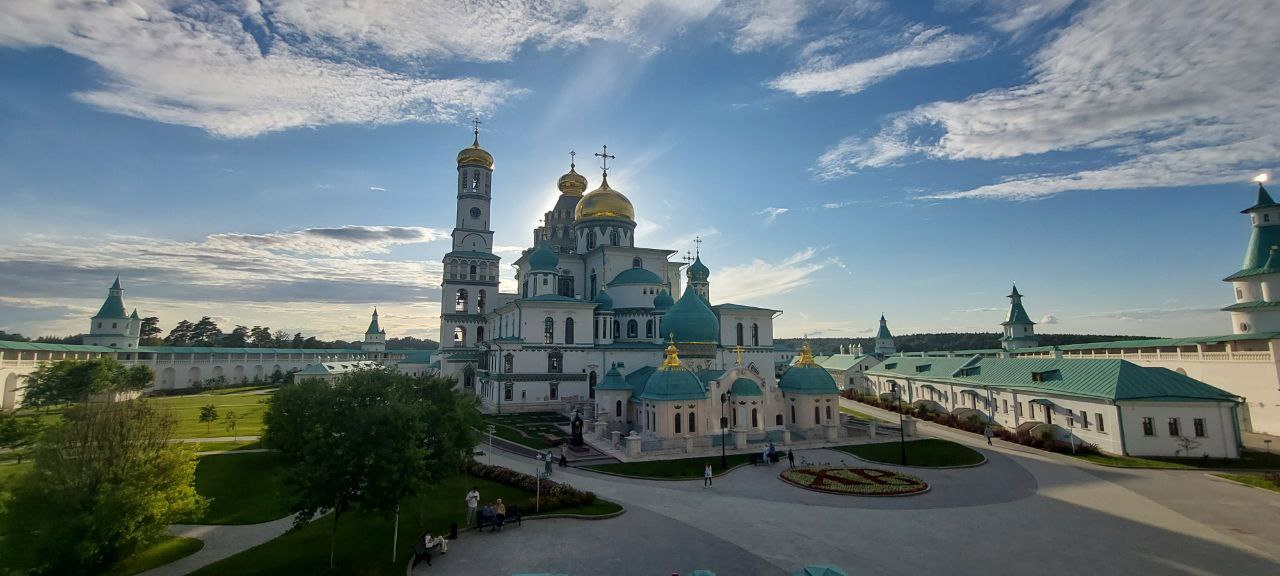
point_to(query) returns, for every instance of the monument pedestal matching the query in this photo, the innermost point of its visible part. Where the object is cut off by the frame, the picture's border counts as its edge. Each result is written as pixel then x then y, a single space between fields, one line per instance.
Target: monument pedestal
pixel 633 445
pixel 739 439
pixel 908 426
pixel 871 430
pixel 786 437
pixel 833 433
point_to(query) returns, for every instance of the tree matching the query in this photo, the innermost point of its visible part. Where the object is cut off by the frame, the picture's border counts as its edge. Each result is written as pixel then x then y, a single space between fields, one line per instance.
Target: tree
pixel 18 433
pixel 151 331
pixel 15 337
pixel 206 333
pixel 106 481
pixel 230 421
pixel 367 440
pixel 261 337
pixel 78 380
pixel 208 414
pixel 1185 446
pixel 238 338
pixel 297 341
pixel 180 335
pixel 280 339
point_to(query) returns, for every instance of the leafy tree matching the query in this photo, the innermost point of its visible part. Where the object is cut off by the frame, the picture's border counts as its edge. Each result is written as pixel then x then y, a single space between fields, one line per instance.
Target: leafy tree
pixel 280 339
pixel 312 342
pixel 297 341
pixel 229 422
pixel 150 328
pixel 208 414
pixel 72 339
pixel 206 333
pixel 106 482
pixel 367 440
pixel 78 380
pixel 411 343
pixel 18 433
pixel 260 337
pixel 237 338
pixel 181 335
pixel 15 337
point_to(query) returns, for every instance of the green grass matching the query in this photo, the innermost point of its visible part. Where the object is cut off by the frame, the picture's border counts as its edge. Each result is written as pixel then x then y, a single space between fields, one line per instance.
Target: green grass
pixel 1249 460
pixel 215 446
pixel 861 415
pixel 8 471
pixel 928 453
pixel 364 538
pixel 169 549
pixel 242 488
pixel 1256 480
pixel 249 409
pixel 526 429
pixel 682 469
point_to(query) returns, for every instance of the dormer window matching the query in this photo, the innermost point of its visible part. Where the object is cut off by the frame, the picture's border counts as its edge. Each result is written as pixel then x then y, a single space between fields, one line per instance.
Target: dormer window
pixel 1266 217
pixel 923 367
pixel 891 366
pixel 1043 376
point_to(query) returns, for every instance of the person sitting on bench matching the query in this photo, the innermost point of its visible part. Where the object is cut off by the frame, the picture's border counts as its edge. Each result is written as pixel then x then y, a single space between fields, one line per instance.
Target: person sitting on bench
pixel 422 551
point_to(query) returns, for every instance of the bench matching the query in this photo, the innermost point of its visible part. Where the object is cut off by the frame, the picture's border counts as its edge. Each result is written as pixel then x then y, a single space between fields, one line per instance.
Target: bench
pixel 757 459
pixel 513 516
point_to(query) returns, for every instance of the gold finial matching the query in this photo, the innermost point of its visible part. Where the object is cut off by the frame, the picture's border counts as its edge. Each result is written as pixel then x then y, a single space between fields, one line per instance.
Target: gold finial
pixel 738 350
pixel 673 359
pixel 475 123
pixel 806 355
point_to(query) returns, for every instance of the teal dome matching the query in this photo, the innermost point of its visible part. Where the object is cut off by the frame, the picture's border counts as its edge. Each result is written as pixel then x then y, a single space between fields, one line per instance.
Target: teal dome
pixel 745 387
pixel 691 320
pixel 698 272
pixel 808 380
pixel 635 276
pixel 673 384
pixel 663 300
pixel 613 380
pixel 543 259
pixel 603 301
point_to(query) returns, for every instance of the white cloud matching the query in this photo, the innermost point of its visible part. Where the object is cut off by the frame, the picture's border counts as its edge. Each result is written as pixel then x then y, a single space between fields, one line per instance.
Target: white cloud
pixel 1171 93
pixel 759 278
pixel 762 23
pixel 771 213
pixel 924 47
pixel 1018 16
pixel 377 189
pixel 1049 319
pixel 243 69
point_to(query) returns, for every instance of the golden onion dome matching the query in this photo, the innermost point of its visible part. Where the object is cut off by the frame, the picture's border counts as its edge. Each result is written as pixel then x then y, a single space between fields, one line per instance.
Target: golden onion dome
pixel 474 154
pixel 604 203
pixel 572 183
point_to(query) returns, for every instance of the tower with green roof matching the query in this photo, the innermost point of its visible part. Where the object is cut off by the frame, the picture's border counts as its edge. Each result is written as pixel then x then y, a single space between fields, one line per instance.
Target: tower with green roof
pixel 375 339
pixel 884 340
pixel 112 326
pixel 1019 330
pixel 1257 283
pixel 700 279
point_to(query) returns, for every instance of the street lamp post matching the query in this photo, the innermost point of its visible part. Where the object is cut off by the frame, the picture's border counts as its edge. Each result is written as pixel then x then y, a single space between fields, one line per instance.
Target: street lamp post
pixel 902 429
pixel 492 429
pixel 725 398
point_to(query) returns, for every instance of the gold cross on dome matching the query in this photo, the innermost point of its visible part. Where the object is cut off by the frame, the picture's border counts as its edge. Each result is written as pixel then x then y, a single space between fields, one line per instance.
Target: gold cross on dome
pixel 475 123
pixel 739 350
pixel 572 154
pixel 605 157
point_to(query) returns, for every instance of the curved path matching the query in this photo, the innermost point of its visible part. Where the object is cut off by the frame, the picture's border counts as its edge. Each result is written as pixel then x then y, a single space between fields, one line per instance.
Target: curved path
pixel 1023 512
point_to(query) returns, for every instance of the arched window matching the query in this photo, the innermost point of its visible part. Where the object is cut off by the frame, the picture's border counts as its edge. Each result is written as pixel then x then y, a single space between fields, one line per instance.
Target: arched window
pixel 755 334
pixel 591 384
pixel 648 328
pixel 595 330
pixel 506 391
pixel 593 283
pixel 480 301
pixel 617 327
pixel 508 362
pixel 692 424
pixel 617 408
pixel 755 418
pixel 548 330
pixel 816 418
pixel 828 413
pixel 591 240
pixel 738 331
pixel 554 390
pixel 677 423
pixel 637 263
pixel 778 420
pixel 460 302
pixel 479 333
pixel 459 336
pixel 613 237
pixel 632 329
pixel 554 362
pixel 568 330
pixel 793 413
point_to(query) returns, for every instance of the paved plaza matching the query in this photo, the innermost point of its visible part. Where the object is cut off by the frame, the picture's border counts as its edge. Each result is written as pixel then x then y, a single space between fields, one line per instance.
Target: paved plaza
pixel 1024 512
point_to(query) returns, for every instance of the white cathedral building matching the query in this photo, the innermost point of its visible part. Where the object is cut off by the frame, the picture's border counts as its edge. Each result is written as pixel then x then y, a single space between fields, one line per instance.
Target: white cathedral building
pixel 603 324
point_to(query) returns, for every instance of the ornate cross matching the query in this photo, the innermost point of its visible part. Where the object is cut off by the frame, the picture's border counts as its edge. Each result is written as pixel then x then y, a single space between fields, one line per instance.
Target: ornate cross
pixel 572 154
pixel 475 122
pixel 697 242
pixel 739 350
pixel 605 157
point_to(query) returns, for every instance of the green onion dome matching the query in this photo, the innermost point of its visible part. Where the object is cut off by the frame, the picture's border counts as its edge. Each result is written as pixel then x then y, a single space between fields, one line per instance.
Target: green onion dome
pixel 543 259
pixel 698 272
pixel 603 302
pixel 663 300
pixel 690 320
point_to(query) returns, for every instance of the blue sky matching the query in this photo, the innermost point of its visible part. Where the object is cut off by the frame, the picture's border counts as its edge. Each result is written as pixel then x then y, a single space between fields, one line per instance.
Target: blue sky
pixel 290 163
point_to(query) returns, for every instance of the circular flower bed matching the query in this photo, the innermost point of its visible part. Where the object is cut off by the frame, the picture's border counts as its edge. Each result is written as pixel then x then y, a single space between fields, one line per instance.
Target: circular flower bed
pixel 855 481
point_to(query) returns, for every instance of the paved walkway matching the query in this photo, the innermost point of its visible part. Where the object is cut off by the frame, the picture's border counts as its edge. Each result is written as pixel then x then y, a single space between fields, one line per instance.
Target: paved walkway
pixel 220 542
pixel 1025 511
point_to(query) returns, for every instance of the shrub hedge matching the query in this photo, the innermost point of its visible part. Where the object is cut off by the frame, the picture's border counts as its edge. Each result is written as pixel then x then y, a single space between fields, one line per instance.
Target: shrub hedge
pixel 554 495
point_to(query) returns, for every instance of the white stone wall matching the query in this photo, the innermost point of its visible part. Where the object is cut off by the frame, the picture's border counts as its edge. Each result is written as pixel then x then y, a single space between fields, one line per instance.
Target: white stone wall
pixel 1219 440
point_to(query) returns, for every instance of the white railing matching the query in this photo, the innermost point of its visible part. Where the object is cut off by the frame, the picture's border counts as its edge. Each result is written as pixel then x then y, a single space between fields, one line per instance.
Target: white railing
pixel 1256 356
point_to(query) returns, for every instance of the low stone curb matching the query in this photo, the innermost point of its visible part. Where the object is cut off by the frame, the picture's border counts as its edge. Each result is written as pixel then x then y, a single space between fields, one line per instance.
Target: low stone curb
pixel 1238 483
pixel 722 473
pixel 570 516
pixel 856 457
pixel 927 488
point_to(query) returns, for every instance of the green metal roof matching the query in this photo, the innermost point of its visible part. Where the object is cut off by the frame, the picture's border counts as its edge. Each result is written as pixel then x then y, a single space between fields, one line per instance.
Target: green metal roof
pixel 113 306
pixel 883 332
pixel 691 320
pixel 42 347
pixel 555 298
pixel 673 384
pixel 1264 200
pixel 709 375
pixel 698 272
pixel 808 380
pixel 1017 314
pixel 635 276
pixel 542 259
pixel 1153 342
pixel 215 350
pixel 844 362
pixel 613 380
pixel 603 301
pixel 639 378
pixel 631 346
pixel 1095 378
pixel 731 306
pixel 373 324
pixel 663 300
pixel 416 356
pixel 471 254
pixel 745 387
pixel 1251 305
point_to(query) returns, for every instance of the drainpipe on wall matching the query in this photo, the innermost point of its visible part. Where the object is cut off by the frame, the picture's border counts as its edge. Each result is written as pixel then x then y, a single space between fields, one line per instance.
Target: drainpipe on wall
pixel 1124 445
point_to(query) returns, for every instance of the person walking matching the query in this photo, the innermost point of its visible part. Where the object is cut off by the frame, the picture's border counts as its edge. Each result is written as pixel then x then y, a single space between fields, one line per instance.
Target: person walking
pixel 791 457
pixel 473 502
pixel 706 476
pixel 564 457
pixel 988 432
pixel 547 463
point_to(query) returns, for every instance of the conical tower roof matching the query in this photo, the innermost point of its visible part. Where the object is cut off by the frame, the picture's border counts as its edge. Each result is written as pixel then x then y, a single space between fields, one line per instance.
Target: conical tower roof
pixel 1017 314
pixel 373 324
pixel 113 306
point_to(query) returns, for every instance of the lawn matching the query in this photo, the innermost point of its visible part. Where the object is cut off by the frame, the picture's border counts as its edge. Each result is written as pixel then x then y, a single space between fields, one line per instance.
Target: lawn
pixel 216 446
pixel 527 429
pixel 861 415
pixel 170 549
pixel 1249 460
pixel 242 488
pixel 681 469
pixel 249 409
pixel 364 538
pixel 8 471
pixel 1266 481
pixel 928 453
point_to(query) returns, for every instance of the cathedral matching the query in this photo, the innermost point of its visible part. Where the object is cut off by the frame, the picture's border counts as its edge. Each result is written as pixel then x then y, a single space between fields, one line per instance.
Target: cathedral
pixel 601 324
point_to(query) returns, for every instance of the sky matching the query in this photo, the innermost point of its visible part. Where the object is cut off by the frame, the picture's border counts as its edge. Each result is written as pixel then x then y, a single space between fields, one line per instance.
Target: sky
pixel 290 163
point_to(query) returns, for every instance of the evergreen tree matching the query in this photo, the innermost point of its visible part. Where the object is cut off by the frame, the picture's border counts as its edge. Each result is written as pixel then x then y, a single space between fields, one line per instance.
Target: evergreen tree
pixel 150 328
pixel 260 337
pixel 237 338
pixel 298 341
pixel 206 333
pixel 180 335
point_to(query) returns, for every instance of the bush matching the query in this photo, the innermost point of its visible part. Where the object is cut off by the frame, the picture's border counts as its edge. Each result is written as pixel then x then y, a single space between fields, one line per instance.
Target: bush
pixel 555 495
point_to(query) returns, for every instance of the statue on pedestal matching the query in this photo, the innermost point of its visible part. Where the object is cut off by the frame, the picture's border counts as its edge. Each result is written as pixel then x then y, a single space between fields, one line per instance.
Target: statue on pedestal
pixel 575 439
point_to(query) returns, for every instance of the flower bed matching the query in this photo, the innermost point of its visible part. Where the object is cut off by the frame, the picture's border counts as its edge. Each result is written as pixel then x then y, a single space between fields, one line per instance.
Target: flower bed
pixel 555 495
pixel 854 481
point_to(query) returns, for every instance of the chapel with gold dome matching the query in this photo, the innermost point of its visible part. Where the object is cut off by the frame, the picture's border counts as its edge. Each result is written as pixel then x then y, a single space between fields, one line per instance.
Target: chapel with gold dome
pixel 623 333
